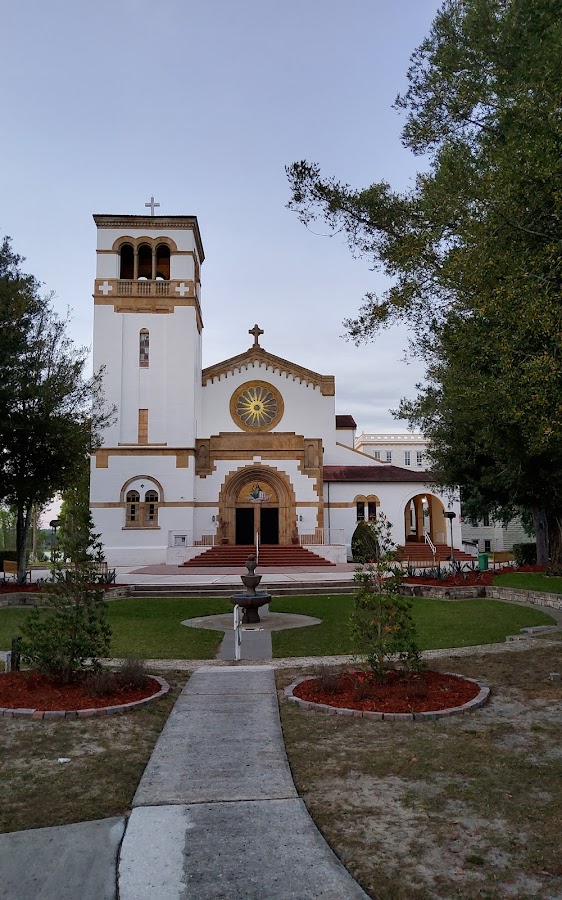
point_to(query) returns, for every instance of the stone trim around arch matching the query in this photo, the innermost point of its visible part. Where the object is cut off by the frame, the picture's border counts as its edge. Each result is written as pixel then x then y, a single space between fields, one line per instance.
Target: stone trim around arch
pixel 130 481
pixel 135 242
pixel 269 475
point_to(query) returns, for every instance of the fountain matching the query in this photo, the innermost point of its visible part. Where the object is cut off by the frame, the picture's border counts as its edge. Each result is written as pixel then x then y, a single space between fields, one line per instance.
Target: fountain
pixel 251 600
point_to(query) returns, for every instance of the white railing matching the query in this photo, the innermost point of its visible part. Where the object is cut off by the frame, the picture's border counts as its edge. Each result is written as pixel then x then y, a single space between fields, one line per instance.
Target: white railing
pixel 143 288
pixel 322 536
pixel 430 544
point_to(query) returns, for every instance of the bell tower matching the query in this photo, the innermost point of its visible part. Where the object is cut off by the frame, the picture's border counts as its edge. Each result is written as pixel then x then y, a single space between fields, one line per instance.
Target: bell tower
pixel 147 340
pixel 147 326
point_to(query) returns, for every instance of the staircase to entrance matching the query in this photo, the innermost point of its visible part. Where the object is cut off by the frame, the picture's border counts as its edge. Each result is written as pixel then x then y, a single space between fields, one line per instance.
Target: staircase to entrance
pixel 420 552
pixel 270 555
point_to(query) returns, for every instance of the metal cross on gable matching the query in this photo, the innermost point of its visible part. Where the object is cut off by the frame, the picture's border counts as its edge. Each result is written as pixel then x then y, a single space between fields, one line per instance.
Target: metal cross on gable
pixel 152 204
pixel 256 331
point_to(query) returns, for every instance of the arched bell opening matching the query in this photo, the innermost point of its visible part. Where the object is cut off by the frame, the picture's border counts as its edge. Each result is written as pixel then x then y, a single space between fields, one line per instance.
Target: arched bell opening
pixel 127 262
pixel 145 262
pixel 163 262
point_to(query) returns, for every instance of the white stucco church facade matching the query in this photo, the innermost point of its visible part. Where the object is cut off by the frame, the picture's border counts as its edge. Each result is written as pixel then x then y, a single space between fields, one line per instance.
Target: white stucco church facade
pixel 209 456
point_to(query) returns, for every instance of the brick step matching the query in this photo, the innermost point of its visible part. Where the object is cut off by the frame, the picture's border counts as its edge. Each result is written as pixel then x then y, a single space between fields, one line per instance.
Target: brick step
pixel 422 551
pixel 270 555
pixel 286 589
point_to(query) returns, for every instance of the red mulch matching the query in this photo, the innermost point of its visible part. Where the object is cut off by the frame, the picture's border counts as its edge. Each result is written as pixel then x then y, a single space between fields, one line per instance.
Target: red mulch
pixel 33 690
pixel 469 579
pixel 402 692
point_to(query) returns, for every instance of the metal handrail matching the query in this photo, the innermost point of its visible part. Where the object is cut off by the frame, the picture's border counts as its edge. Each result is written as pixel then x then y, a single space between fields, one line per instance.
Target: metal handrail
pixel 428 541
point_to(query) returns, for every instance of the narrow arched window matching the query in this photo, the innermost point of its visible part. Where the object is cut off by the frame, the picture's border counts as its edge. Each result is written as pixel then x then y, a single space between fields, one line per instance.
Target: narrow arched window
pixel 145 261
pixel 144 344
pixel 163 262
pixel 151 508
pixel 127 262
pixel 132 514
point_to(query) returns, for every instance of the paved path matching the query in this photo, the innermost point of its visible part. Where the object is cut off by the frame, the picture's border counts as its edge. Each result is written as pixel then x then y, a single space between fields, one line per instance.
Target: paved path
pixel 69 862
pixel 216 814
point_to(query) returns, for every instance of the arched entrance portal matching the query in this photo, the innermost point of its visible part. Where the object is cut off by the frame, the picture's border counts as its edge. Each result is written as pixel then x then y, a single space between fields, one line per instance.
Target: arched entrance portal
pixel 257 500
pixel 424 513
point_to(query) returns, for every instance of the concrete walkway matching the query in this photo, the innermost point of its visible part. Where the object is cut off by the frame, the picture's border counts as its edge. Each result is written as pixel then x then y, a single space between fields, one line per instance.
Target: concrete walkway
pixel 216 814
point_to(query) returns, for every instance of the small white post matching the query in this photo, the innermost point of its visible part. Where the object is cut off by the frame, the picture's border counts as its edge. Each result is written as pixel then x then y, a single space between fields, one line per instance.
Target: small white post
pixel 237 630
pixel 257 546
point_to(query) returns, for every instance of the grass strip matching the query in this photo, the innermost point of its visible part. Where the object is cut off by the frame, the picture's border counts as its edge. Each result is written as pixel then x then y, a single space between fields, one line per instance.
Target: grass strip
pixel 530 581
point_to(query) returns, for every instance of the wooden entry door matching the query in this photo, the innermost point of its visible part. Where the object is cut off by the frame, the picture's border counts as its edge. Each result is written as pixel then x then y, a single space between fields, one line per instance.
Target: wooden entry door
pixel 269 525
pixel 245 525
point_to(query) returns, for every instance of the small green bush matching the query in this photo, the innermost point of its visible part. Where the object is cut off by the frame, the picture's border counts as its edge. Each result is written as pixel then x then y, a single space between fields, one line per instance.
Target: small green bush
pixel 364 546
pixel 73 635
pixel 525 554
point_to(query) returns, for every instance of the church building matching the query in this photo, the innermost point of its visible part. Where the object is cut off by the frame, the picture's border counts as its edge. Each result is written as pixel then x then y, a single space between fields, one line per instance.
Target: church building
pixel 247 449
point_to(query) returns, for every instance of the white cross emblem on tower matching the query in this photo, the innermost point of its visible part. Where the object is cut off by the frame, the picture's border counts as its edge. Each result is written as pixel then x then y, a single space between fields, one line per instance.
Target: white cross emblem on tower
pixel 182 289
pixel 105 288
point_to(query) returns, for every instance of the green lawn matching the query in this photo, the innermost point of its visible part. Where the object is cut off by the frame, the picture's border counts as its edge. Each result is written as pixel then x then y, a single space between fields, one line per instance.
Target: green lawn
pixel 146 627
pixel 439 624
pixel 530 581
pixel 150 627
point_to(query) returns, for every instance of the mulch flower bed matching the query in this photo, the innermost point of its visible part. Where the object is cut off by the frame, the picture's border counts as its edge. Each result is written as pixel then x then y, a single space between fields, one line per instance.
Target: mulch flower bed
pixel 33 690
pixel 401 692
pixel 469 578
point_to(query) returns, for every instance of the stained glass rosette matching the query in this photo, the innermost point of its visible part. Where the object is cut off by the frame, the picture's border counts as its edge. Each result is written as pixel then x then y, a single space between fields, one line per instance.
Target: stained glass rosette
pixel 256 406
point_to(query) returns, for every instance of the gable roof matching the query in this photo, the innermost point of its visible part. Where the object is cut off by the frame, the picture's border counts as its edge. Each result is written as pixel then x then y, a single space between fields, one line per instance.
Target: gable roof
pixel 345 422
pixel 326 383
pixel 374 473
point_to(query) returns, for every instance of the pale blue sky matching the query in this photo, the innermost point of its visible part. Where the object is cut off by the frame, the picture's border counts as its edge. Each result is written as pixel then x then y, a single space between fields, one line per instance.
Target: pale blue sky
pixel 203 104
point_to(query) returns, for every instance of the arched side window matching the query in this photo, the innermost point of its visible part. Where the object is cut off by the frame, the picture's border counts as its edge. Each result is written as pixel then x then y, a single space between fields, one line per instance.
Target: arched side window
pixel 127 262
pixel 366 508
pixel 145 261
pixel 133 511
pixel 141 504
pixel 144 347
pixel 163 262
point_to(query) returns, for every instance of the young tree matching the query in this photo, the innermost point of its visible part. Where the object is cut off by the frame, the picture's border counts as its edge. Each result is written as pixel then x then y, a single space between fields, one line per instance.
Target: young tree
pixel 474 247
pixel 50 415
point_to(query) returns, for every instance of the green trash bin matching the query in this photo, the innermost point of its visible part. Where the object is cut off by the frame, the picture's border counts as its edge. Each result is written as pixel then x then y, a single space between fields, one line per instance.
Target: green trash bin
pixel 482 562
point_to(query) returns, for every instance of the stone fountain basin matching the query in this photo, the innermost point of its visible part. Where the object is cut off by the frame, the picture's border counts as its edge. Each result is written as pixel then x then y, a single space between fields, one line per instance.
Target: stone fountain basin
pixel 269 621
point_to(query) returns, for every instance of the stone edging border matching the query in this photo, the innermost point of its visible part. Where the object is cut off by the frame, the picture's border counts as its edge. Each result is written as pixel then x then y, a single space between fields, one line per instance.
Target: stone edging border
pixel 86 713
pixel 476 702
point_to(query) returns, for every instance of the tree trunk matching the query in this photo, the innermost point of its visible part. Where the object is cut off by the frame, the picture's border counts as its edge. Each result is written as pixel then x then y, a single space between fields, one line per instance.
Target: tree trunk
pixel 540 525
pixel 555 537
pixel 22 531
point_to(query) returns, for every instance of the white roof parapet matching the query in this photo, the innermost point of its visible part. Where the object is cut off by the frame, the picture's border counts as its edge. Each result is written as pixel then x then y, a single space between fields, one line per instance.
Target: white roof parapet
pixel 392 438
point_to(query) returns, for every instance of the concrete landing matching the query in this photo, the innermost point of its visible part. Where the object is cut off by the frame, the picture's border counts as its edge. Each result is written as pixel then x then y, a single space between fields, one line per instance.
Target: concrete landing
pixel 216 814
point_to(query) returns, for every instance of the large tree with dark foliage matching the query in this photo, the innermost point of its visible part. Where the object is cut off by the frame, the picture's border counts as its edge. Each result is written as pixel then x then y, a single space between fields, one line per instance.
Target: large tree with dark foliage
pixel 50 415
pixel 475 252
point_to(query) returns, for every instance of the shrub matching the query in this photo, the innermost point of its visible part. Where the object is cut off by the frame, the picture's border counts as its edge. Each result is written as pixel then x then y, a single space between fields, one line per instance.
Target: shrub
pixel 382 627
pixel 132 673
pixel 72 635
pixel 364 545
pixel 525 554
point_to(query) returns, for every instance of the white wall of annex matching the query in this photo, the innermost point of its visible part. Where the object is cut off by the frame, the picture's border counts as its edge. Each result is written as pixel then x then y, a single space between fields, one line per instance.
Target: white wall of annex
pixel 393 497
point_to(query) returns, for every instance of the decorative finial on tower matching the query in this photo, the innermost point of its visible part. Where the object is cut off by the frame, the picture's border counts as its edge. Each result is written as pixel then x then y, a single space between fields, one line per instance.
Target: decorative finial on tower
pixel 256 331
pixel 152 204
